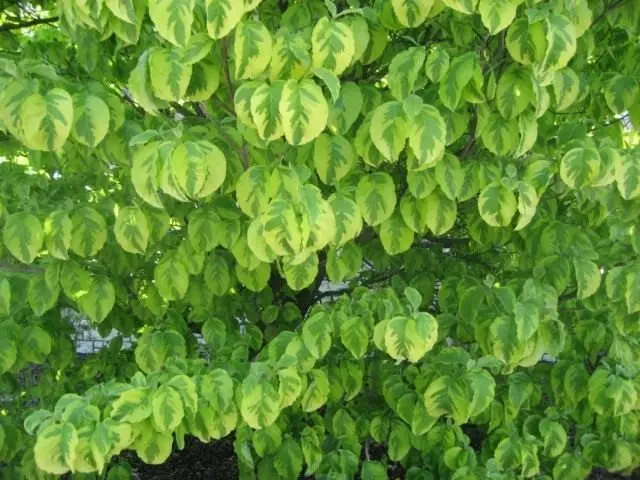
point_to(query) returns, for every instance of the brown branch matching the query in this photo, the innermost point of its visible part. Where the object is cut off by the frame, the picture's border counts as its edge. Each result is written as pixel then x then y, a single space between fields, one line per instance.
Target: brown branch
pixel 32 23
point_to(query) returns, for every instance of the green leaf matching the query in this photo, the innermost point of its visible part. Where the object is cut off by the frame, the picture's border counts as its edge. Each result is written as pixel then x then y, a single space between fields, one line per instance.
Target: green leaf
pixel 620 93
pixel 288 460
pixel 8 353
pixel 89 232
pixel 223 16
pixel 171 277
pixel 389 130
pixel 5 296
pixel 497 205
pixel 580 167
pixel 497 14
pixel 57 232
pixel 132 230
pixel 167 409
pixel 588 277
pixel 260 405
pixel 427 137
pixel 561 43
pixel 330 80
pixel 252 48
pixel 412 13
pixel 500 135
pixel 627 175
pixel 399 442
pixel 91 119
pixel 333 158
pixel 23 236
pixel 441 212
pixel 99 299
pixel 42 297
pixel 553 436
pixel 526 42
pixel 55 448
pixel 172 19
pixel 317 392
pixel 376 197
pixel 348 218
pixel 456 79
pixel 333 45
pixel 566 88
pixel 372 470
pixel 395 236
pixel 410 338
pixel 301 275
pixel 169 74
pixel 47 119
pixel 404 70
pixel 303 110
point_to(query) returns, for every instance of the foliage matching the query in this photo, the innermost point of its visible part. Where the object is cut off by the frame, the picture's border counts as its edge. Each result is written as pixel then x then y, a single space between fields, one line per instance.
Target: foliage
pixel 352 234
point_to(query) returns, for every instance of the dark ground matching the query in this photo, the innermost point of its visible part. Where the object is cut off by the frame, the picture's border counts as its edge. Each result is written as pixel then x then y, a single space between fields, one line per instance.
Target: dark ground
pixel 217 461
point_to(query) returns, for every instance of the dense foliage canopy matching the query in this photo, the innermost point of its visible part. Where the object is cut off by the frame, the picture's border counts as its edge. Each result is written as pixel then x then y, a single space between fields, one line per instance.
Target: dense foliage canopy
pixel 361 237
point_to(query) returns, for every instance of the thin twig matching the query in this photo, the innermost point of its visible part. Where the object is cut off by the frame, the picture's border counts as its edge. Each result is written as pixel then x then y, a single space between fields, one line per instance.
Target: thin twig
pixel 6 267
pixel 17 26
pixel 224 49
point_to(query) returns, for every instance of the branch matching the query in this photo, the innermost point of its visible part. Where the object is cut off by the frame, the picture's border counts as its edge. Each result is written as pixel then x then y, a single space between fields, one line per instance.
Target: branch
pixel 17 26
pixel 612 6
pixel 224 49
pixel 7 267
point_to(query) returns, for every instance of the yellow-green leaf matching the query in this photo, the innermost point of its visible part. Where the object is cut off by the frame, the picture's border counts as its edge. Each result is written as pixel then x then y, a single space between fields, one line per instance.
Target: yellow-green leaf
pixel 23 236
pixel 173 19
pixel 303 110
pixel 132 230
pixel 252 48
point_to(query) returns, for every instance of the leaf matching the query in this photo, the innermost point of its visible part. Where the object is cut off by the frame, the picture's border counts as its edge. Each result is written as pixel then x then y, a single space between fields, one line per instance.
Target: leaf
pixel 167 408
pixel 497 205
pixel 317 392
pixel 132 230
pixel 330 80
pixel 47 119
pixel 553 436
pixel 526 42
pixel 255 280
pixel 456 79
pixel 441 212
pixel 265 110
pixel 333 45
pixel 561 43
pixel 404 70
pixel 372 470
pixel 123 9
pixel 57 232
pixel 627 172
pixel 301 275
pixel 288 459
pixel 579 167
pixel 171 277
pixel 303 110
pixel 252 48
pixel 173 19
pixel 41 296
pixel 566 88
pixel 260 405
pixel 462 6
pixel 437 64
pixel 427 137
pixel 23 236
pixel 144 174
pixel 89 232
pixel 376 197
pixel 395 236
pixel 399 442
pixel 5 297
pixel 412 13
pixel 514 92
pixel 91 119
pixel 316 334
pixel 620 93
pixel 389 130
pixel 588 277
pixel 500 136
pixel 497 14
pixel 348 219
pixel 333 158
pixel 99 300
pixel 169 74
pixel 55 448
pixel 223 16
pixel 204 82
pixel 8 353
pixel 290 58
